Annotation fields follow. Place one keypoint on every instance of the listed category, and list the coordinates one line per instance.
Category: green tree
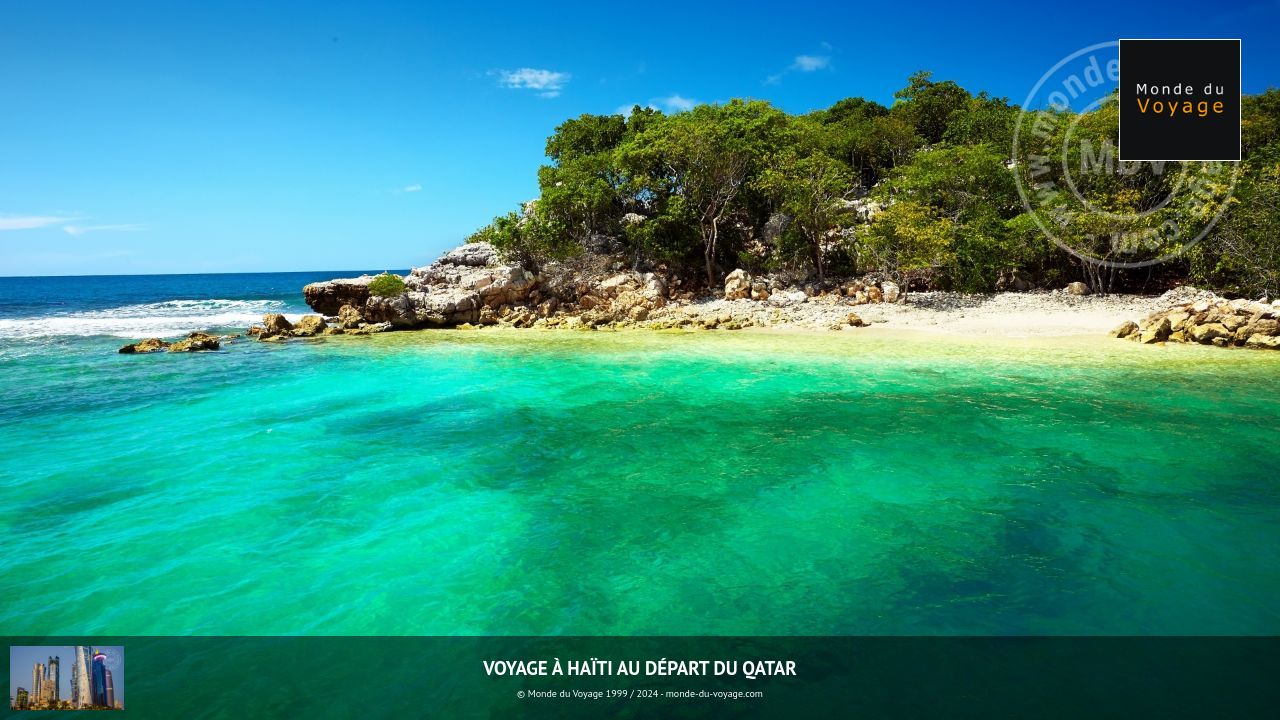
(928, 105)
(1243, 252)
(867, 137)
(972, 187)
(985, 120)
(585, 135)
(530, 238)
(1260, 116)
(810, 188)
(906, 238)
(706, 157)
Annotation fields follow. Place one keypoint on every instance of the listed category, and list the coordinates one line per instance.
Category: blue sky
(148, 137)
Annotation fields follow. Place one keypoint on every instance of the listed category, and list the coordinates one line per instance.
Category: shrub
(386, 285)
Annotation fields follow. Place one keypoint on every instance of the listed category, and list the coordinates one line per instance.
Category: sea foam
(160, 319)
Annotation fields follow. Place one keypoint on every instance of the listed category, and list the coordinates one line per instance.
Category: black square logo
(1180, 100)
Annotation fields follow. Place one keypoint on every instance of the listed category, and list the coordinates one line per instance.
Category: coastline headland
(473, 287)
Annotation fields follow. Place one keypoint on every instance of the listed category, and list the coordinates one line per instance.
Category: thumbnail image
(65, 677)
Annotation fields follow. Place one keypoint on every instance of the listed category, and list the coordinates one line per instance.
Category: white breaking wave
(162, 319)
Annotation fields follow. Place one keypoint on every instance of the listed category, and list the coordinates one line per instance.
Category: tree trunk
(815, 251)
(709, 253)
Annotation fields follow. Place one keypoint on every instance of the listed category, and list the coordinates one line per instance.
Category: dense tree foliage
(924, 190)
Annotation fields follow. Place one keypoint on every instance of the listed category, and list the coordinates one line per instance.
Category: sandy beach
(1010, 315)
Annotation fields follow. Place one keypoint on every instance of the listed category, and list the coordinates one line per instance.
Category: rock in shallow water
(309, 326)
(196, 342)
(1125, 329)
(145, 346)
(276, 324)
(349, 317)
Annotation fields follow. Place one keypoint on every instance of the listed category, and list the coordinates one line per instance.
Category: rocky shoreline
(471, 287)
(1209, 320)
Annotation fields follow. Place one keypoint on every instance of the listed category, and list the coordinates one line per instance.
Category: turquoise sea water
(528, 482)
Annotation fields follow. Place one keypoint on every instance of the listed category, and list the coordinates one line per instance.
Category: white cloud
(118, 227)
(811, 63)
(804, 64)
(416, 187)
(549, 83)
(676, 103)
(29, 222)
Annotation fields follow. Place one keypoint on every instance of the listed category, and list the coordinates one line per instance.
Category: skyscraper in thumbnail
(99, 679)
(37, 683)
(111, 690)
(81, 678)
(53, 675)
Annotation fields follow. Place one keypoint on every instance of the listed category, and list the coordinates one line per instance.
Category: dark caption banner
(407, 677)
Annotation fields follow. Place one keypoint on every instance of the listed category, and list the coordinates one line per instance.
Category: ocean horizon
(138, 306)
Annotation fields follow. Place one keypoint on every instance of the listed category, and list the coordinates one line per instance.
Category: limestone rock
(1157, 331)
(195, 342)
(310, 325)
(1262, 326)
(1263, 342)
(784, 298)
(473, 270)
(437, 306)
(1204, 318)
(349, 317)
(1207, 333)
(614, 285)
(328, 297)
(875, 294)
(890, 290)
(655, 289)
(1125, 329)
(546, 308)
(477, 254)
(370, 329)
(1178, 320)
(737, 285)
(1077, 288)
(276, 324)
(145, 346)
